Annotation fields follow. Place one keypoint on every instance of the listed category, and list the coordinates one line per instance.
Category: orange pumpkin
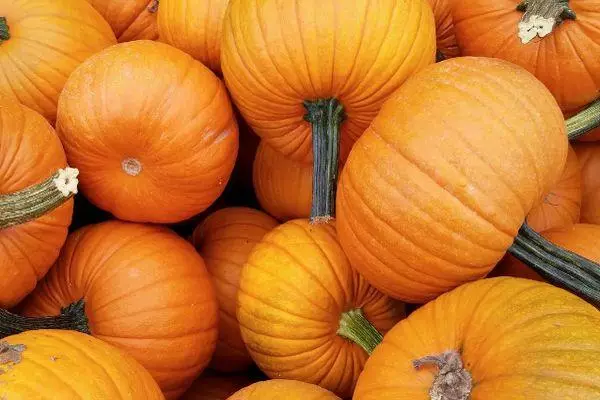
(304, 313)
(35, 210)
(151, 131)
(589, 159)
(293, 70)
(225, 240)
(283, 186)
(70, 365)
(41, 43)
(213, 386)
(501, 339)
(444, 28)
(283, 389)
(140, 288)
(130, 20)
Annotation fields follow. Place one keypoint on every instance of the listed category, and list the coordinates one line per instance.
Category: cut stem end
(453, 381)
(356, 328)
(541, 17)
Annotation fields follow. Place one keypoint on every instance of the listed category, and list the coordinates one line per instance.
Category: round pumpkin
(129, 20)
(444, 28)
(310, 78)
(151, 131)
(225, 239)
(589, 159)
(283, 186)
(283, 389)
(501, 339)
(304, 313)
(144, 290)
(41, 43)
(213, 386)
(35, 205)
(435, 191)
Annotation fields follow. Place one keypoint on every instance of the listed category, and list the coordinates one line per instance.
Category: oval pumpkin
(283, 389)
(214, 386)
(151, 131)
(283, 186)
(41, 43)
(225, 239)
(311, 81)
(129, 20)
(589, 159)
(501, 339)
(444, 28)
(299, 303)
(144, 290)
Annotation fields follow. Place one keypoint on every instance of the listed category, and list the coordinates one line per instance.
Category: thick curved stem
(355, 327)
(584, 121)
(4, 31)
(325, 116)
(558, 266)
(453, 381)
(153, 7)
(541, 17)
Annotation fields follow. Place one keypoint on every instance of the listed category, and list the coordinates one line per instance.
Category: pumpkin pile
(255, 200)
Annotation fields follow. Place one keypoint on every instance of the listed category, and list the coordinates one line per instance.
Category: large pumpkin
(142, 289)
(214, 386)
(589, 159)
(283, 389)
(304, 313)
(444, 28)
(130, 20)
(35, 210)
(293, 67)
(225, 240)
(151, 131)
(41, 43)
(501, 339)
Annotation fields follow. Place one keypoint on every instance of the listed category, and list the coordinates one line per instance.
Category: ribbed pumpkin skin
(150, 102)
(146, 291)
(283, 389)
(519, 339)
(30, 153)
(276, 55)
(283, 186)
(225, 239)
(293, 290)
(564, 60)
(444, 27)
(49, 39)
(130, 20)
(589, 160)
(213, 386)
(71, 365)
(436, 189)
(195, 27)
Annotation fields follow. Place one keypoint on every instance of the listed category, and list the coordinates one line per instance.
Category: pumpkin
(283, 389)
(194, 27)
(589, 158)
(283, 186)
(151, 131)
(214, 386)
(35, 206)
(70, 365)
(444, 28)
(500, 338)
(225, 240)
(129, 20)
(309, 77)
(304, 313)
(140, 288)
(41, 43)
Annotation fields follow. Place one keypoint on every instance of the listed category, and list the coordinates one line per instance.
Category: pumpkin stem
(325, 116)
(453, 381)
(71, 318)
(355, 327)
(541, 17)
(4, 31)
(153, 7)
(37, 200)
(584, 121)
(558, 266)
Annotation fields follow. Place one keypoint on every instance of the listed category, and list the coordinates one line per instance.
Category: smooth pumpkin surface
(434, 193)
(518, 339)
(283, 186)
(48, 40)
(30, 153)
(214, 386)
(225, 239)
(146, 291)
(444, 28)
(59, 364)
(281, 388)
(294, 288)
(589, 159)
(130, 20)
(151, 131)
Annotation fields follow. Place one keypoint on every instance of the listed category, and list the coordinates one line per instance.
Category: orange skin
(184, 140)
(130, 20)
(213, 386)
(516, 337)
(444, 27)
(434, 193)
(225, 239)
(589, 159)
(48, 41)
(277, 389)
(146, 291)
(30, 153)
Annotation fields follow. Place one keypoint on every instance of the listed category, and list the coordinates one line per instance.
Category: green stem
(4, 31)
(541, 17)
(584, 121)
(325, 116)
(355, 327)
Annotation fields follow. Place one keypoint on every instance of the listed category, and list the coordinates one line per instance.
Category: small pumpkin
(225, 239)
(589, 159)
(41, 43)
(500, 338)
(151, 130)
(283, 389)
(304, 313)
(309, 78)
(129, 20)
(35, 207)
(444, 28)
(213, 386)
(70, 365)
(283, 186)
